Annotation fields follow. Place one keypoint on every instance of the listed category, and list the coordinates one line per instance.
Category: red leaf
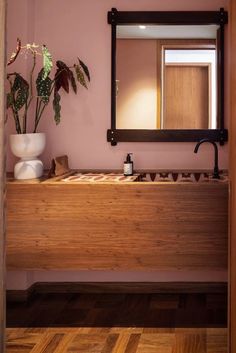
(61, 80)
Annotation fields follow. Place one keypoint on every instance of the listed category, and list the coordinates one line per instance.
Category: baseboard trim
(19, 295)
(116, 287)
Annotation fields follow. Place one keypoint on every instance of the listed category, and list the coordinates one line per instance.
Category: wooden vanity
(144, 226)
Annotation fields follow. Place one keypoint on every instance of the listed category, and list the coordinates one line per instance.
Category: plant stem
(39, 111)
(25, 120)
(30, 93)
(36, 111)
(31, 75)
(17, 120)
(39, 115)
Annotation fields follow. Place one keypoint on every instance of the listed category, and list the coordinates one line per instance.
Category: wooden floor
(118, 323)
(116, 340)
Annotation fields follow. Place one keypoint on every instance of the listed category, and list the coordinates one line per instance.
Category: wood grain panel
(186, 96)
(2, 174)
(138, 226)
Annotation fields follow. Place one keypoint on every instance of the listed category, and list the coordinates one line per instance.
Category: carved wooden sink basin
(100, 177)
(157, 176)
(183, 176)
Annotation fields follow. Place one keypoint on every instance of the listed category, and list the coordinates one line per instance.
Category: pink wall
(22, 280)
(79, 28)
(136, 70)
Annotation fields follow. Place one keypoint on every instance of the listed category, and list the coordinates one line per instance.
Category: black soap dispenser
(128, 165)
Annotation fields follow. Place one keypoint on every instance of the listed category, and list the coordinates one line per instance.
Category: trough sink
(184, 177)
(149, 176)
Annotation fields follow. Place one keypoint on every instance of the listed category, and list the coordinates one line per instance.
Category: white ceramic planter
(28, 147)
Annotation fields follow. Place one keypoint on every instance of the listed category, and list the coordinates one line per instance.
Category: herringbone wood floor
(118, 323)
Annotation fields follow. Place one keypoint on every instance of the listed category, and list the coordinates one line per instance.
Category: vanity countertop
(116, 176)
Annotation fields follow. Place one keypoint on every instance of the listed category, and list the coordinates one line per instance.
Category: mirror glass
(166, 77)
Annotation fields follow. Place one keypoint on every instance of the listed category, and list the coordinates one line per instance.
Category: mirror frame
(220, 18)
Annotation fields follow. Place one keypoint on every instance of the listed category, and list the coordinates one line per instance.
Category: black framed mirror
(167, 76)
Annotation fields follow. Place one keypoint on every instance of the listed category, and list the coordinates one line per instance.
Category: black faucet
(216, 168)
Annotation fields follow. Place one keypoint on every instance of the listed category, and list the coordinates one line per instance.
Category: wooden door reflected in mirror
(189, 89)
(186, 97)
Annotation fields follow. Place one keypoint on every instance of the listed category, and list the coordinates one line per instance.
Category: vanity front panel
(117, 226)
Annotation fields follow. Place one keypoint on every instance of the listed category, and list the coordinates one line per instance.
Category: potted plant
(34, 95)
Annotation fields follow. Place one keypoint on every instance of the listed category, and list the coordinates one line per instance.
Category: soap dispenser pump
(128, 165)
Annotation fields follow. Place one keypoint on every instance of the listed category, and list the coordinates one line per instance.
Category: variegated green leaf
(80, 76)
(10, 100)
(47, 62)
(57, 107)
(20, 89)
(21, 98)
(43, 86)
(19, 81)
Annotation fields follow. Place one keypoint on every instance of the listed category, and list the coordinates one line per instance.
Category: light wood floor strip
(156, 343)
(190, 343)
(48, 343)
(121, 343)
(64, 343)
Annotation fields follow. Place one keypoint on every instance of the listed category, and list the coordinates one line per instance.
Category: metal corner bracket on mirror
(167, 76)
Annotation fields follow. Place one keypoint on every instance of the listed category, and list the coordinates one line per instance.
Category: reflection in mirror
(166, 77)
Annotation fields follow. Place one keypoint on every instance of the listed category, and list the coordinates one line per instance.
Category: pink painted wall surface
(79, 28)
(72, 28)
(136, 70)
(22, 280)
